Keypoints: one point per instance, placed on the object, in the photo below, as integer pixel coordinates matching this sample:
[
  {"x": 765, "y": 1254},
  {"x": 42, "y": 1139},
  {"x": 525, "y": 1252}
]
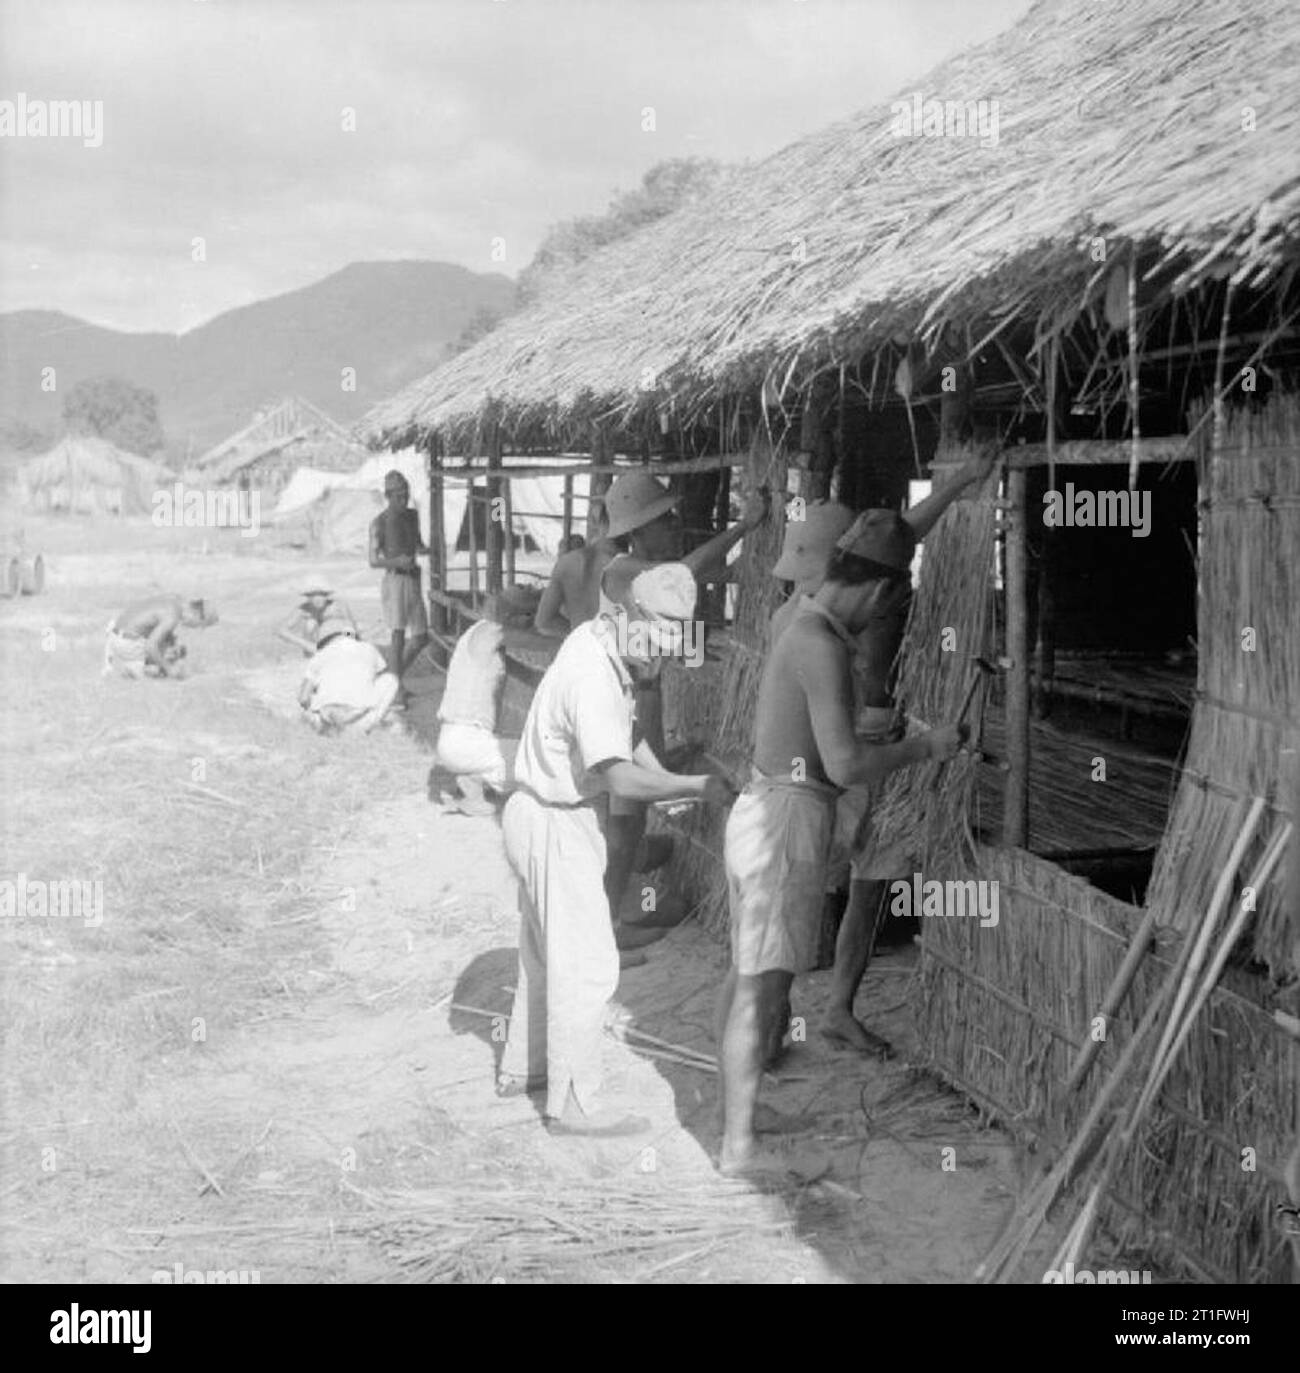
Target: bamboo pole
[
  {"x": 1115, "y": 994},
  {"x": 568, "y": 510},
  {"x": 1015, "y": 811},
  {"x": 706, "y": 462},
  {"x": 437, "y": 536},
  {"x": 1177, "y": 1028},
  {"x": 599, "y": 479},
  {"x": 493, "y": 488},
  {"x": 508, "y": 529},
  {"x": 471, "y": 500}
]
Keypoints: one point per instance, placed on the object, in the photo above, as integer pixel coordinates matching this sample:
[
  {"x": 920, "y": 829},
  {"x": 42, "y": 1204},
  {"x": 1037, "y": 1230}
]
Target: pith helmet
[
  {"x": 881, "y": 536},
  {"x": 810, "y": 542},
  {"x": 633, "y": 500}
]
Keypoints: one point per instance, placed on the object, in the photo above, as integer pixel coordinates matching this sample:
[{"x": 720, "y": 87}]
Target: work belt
[
  {"x": 591, "y": 801},
  {"x": 760, "y": 782}
]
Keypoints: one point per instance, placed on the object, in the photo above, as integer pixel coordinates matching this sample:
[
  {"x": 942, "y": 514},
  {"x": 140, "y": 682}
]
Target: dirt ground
[{"x": 276, "y": 1052}]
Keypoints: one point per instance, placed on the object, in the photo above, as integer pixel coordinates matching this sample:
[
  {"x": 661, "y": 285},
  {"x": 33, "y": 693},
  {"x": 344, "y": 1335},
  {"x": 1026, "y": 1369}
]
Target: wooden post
[
  {"x": 816, "y": 442},
  {"x": 490, "y": 506},
  {"x": 568, "y": 512},
  {"x": 716, "y": 601},
  {"x": 508, "y": 528},
  {"x": 437, "y": 536},
  {"x": 1015, "y": 807},
  {"x": 471, "y": 499},
  {"x": 599, "y": 485},
  {"x": 955, "y": 411}
]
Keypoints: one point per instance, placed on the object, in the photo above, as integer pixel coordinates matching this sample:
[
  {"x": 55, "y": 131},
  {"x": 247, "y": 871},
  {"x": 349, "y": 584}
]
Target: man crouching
[
  {"x": 141, "y": 641},
  {"x": 576, "y": 751},
  {"x": 346, "y": 684},
  {"x": 779, "y": 831}
]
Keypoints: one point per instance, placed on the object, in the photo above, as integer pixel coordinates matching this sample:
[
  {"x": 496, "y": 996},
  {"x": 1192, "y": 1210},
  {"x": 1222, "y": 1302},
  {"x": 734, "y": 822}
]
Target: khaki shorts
[
  {"x": 403, "y": 603},
  {"x": 776, "y": 848}
]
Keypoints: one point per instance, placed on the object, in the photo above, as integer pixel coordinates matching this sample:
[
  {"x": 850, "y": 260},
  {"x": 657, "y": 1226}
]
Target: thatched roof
[
  {"x": 1121, "y": 118},
  {"x": 82, "y": 472}
]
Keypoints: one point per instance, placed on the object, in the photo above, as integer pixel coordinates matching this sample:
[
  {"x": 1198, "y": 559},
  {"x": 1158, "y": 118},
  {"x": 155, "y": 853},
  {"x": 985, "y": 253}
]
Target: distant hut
[
  {"x": 85, "y": 475},
  {"x": 266, "y": 453},
  {"x": 1078, "y": 242}
]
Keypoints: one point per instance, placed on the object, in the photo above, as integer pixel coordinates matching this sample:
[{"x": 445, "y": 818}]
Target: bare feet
[
  {"x": 842, "y": 1029},
  {"x": 799, "y": 1164},
  {"x": 508, "y": 1086},
  {"x": 770, "y": 1122}
]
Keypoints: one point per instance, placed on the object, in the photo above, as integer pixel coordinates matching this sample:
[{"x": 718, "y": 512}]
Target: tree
[
  {"x": 17, "y": 436},
  {"x": 116, "y": 410},
  {"x": 666, "y": 187},
  {"x": 480, "y": 323}
]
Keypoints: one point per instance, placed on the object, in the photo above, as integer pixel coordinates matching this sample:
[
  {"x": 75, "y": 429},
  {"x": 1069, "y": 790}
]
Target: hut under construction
[
  {"x": 1077, "y": 243},
  {"x": 279, "y": 440}
]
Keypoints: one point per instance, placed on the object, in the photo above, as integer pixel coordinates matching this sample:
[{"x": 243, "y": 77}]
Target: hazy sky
[{"x": 475, "y": 119}]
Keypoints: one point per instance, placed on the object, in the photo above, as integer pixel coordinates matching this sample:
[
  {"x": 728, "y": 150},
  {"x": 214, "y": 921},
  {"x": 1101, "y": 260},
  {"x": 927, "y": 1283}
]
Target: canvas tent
[{"x": 539, "y": 501}]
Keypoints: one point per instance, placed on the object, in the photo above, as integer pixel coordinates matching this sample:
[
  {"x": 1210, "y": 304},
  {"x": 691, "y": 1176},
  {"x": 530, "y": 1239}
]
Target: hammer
[{"x": 984, "y": 667}]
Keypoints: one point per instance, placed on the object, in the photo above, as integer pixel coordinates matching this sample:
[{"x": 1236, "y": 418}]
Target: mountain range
[{"x": 390, "y": 321}]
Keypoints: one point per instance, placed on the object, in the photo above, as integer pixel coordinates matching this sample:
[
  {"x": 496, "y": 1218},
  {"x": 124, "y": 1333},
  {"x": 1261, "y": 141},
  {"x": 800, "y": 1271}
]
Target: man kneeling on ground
[
  {"x": 575, "y": 752},
  {"x": 468, "y": 743},
  {"x": 346, "y": 684},
  {"x": 141, "y": 641},
  {"x": 779, "y": 831}
]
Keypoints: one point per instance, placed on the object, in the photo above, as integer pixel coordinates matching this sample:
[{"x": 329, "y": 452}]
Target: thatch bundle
[
  {"x": 951, "y": 623},
  {"x": 1246, "y": 722}
]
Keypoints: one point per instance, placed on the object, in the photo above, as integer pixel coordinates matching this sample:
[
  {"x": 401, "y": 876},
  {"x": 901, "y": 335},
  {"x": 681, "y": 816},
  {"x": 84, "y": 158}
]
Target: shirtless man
[
  {"x": 395, "y": 543},
  {"x": 141, "y": 641},
  {"x": 869, "y": 857},
  {"x": 572, "y": 596},
  {"x": 779, "y": 831},
  {"x": 638, "y": 505}
]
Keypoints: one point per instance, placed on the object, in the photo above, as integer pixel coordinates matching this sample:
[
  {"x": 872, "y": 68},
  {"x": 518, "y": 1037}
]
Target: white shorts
[
  {"x": 473, "y": 751},
  {"x": 776, "y": 846}
]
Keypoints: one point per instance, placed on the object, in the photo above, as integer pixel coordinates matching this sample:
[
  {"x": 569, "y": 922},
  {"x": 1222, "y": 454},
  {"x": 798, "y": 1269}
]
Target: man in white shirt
[
  {"x": 577, "y": 750},
  {"x": 346, "y": 684}
]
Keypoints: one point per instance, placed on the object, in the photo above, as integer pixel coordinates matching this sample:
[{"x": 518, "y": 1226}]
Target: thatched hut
[
  {"x": 85, "y": 475},
  {"x": 1098, "y": 275}
]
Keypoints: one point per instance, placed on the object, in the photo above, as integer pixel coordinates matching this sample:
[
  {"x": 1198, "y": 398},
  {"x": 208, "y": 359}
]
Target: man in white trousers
[{"x": 576, "y": 752}]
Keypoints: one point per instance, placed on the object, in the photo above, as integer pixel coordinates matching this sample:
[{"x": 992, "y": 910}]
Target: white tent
[
  {"x": 305, "y": 486},
  {"x": 533, "y": 498}
]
